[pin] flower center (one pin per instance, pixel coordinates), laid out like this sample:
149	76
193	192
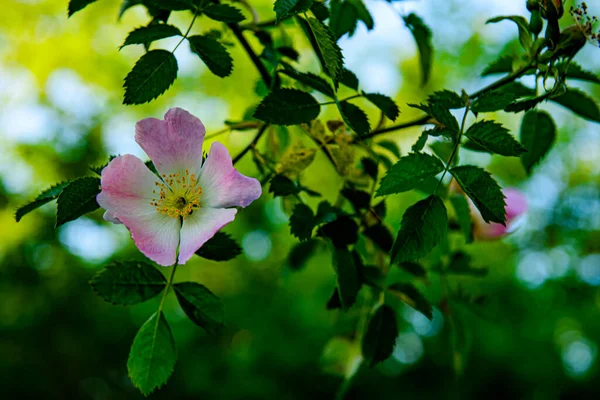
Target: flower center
178	195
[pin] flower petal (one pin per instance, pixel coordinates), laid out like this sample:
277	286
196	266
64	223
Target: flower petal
223	186
200	226
174	144
127	186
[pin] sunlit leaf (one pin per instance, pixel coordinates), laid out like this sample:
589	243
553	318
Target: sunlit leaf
151	76
409	172
422	35
212	53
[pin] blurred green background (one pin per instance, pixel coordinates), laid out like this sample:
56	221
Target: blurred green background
535	334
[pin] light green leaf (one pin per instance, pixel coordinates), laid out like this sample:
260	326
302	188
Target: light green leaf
379	339
151	76
422	35
224	13
150	33
423	226
580	103
409	172
354	117
287	8
479	185
387	106
127	283
538	133
201	306
525	37
152	356
212	53
494	138
46	196
287	107
76	199
331	54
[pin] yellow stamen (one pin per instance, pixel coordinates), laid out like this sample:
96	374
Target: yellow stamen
179	195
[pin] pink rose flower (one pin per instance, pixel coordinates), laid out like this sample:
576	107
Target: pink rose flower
191	200
516	205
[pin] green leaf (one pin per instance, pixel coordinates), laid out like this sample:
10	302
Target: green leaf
538	133
460	264
379	339
421	141
479	185
349	79
212	53
320	10
78	5
359	199
441	114
201	306
387	106
502	65
220	247
348	283
76	199
343	19
152	356
287	107
423	226
311	80
495	138
422	35
224	13
150	33
381	236
287	8
301	253
526	104
574	71
525	37
46	196
580	103
331	54
342	232
363	13
327	213
390	146
151	76
500	98
446	99
463	215
127	283
409	172
302	222
283	186
409	295
413	269
355	118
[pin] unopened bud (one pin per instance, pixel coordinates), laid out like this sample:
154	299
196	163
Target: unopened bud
536	23
533	5
552	9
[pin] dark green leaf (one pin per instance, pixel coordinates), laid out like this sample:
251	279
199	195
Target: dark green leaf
421	141
502	65
287	107
463	215
312	80
387	106
446	99
580	103
342	232
213	54
409	172
348	283
441	114
343	19
127	283
538	133
370	167
283	186
171	5
526	104
287	8
525	37
46	196
224	13
151	76
334	302
301	253
409	295
150	33
360	199
78	5
390	146
320	10
423	226
479	185
355	118
442	149
153	355
76	199
201	306
413	269
288	52
349	79
330	51
127	4
575	71
422	35
500	98
363	13
327	213
302	222
379	339
460	264
495	138
381	236
220	247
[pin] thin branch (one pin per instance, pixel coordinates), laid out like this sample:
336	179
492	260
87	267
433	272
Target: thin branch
261	131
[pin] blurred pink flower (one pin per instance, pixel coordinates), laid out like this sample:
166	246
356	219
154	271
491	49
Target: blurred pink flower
191	200
516	205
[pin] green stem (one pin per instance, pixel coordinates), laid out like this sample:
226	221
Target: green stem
185	35
346	99
242	153
169	284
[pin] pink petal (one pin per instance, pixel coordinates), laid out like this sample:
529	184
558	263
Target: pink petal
200	226
516	205
127	186
174	144
223	186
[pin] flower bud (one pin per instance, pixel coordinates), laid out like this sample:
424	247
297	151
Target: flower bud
536	23
533	5
552	9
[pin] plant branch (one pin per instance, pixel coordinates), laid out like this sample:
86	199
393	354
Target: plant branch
166	290
261	131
